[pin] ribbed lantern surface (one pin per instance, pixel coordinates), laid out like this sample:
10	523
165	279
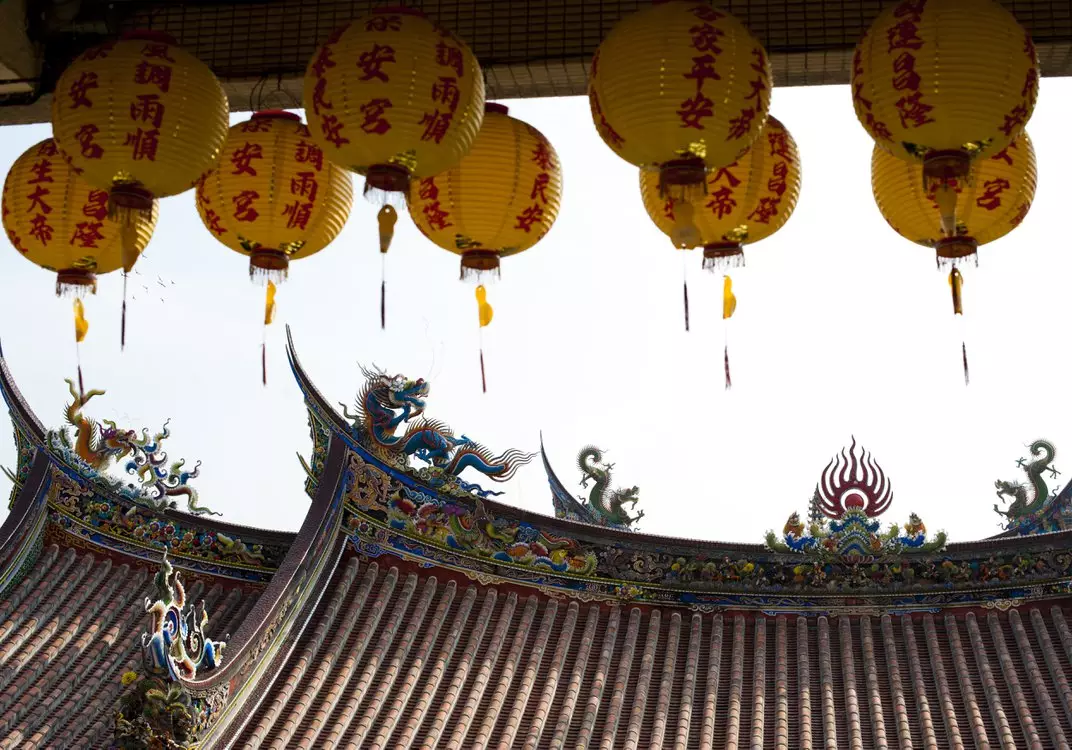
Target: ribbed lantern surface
274	197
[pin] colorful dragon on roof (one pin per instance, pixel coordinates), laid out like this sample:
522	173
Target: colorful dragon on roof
852	492
389	421
1033	508
605	506
104	444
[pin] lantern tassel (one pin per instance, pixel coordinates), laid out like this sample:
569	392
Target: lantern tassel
964	358
386	219
269	316
485	312
686	291
726	365
483	376
729	306
123	317
81	328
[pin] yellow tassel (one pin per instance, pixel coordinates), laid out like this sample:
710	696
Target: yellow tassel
269	304
729	300
484	310
386	218
81	325
684	235
956	283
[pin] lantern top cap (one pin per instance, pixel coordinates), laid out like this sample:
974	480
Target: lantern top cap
148	35
399	9
499	109
276	113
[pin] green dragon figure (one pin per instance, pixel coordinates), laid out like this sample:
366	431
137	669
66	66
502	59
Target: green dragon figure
1027	500
604	504
104	444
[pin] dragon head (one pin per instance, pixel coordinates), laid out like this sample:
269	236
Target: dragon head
397	390
794	527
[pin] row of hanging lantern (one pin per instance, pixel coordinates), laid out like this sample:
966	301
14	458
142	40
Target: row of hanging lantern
679	89
945	89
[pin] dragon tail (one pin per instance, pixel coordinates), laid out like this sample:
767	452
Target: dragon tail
499	468
589	453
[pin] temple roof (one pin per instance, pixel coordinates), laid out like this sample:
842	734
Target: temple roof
410	609
527	48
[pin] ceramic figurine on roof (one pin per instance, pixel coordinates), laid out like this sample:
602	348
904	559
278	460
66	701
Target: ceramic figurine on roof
389	403
605	506
1033	509
99	446
852	493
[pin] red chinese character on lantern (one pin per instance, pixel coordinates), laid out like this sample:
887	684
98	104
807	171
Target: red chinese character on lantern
304	185
741	124
756	92
331	129
1020	214
705	38
724	173
668	209
298	214
213	220
85	137
903	35
446	92
309	153
436	216
243	156
87	234
1014	119
694	109
706	13
541	155
154	75
37	200
776	184
148	108
384	23
779	143
244	210
766	209
722	201
528	217
539	185
905	75
760	65
79	91
610	135
99	53
40	229
42	172
144	144
436	124
703	69
375	123
323	62
450	57
1030	88
96	205
427	190
992	190
372	62
911	109
319	102
156	50
1004	154
256	125
48	148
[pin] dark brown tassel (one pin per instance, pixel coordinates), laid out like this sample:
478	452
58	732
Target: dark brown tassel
686	287
383	305
483	377
123	317
964	357
726	365
264	363
81	387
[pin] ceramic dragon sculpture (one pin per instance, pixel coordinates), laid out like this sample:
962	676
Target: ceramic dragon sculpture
389	419
1028	499
101	445
605	504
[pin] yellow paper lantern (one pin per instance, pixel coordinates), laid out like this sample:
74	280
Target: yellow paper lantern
945	82
140	117
56	220
745	202
499	200
988	206
394	96
680	88
274	197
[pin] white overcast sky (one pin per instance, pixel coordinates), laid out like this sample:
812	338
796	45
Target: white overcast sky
842	328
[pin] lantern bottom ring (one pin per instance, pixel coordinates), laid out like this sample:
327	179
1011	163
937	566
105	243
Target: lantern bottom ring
75	281
390	178
476	262
131	195
266	262
955	248
719	256
946	165
681	174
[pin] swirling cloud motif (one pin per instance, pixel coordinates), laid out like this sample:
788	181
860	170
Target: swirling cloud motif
853	481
